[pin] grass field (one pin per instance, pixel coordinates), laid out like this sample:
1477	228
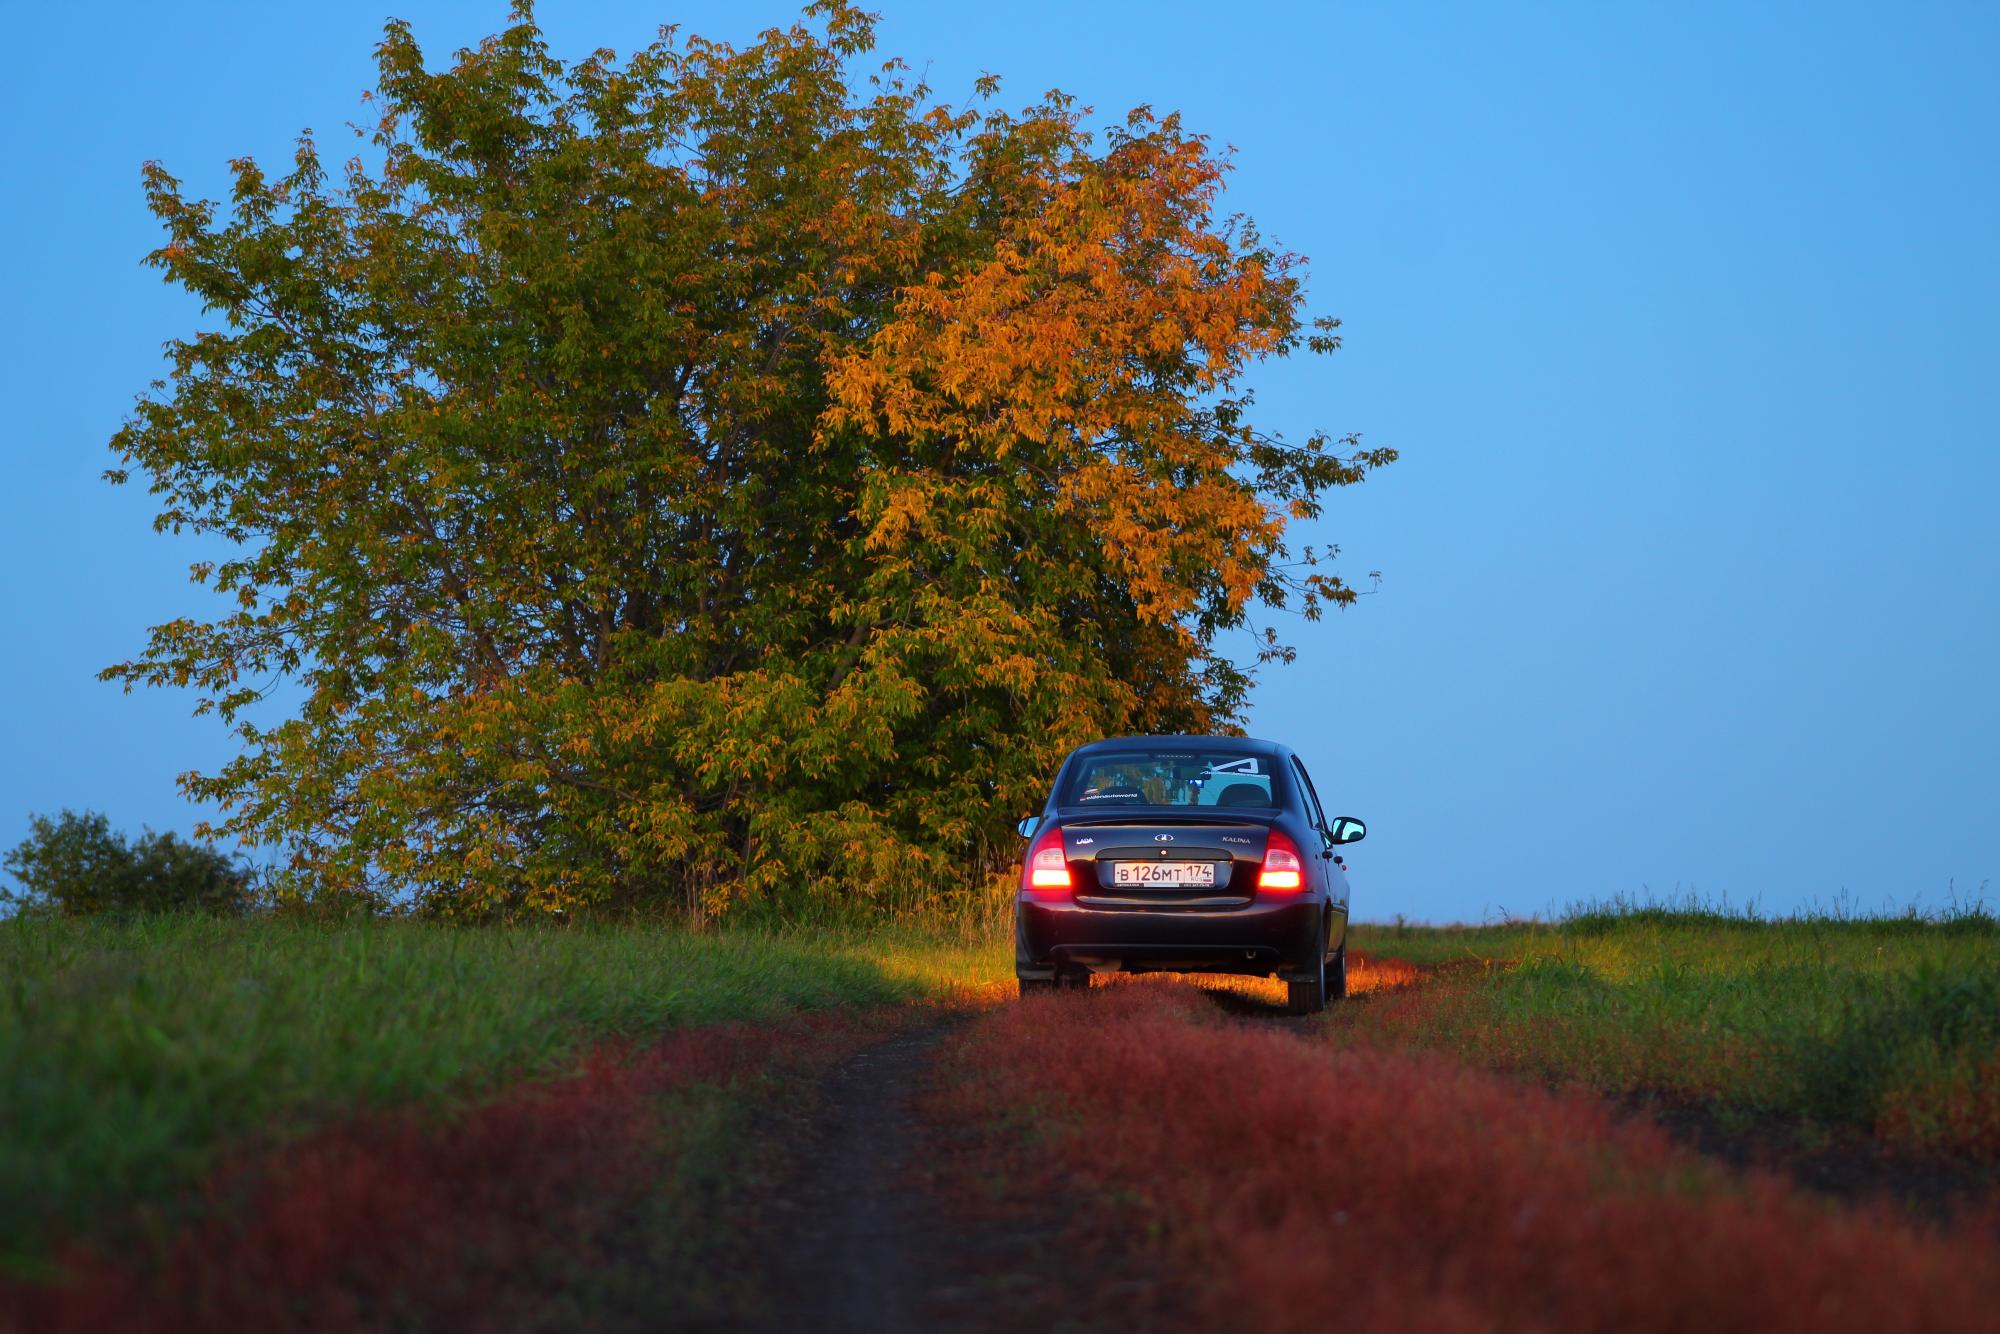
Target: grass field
133	1054
1890	1025
327	1076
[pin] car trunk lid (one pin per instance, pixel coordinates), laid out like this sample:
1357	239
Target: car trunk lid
1160	861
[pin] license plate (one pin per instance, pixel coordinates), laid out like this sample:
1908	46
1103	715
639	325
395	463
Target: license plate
1164	875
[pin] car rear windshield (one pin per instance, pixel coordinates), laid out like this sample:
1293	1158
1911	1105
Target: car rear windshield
1200	777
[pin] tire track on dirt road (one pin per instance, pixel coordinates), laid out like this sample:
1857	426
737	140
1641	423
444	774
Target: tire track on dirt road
930	1190
851	1243
868	1237
892	1221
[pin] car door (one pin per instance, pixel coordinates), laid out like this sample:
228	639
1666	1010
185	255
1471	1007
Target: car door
1333	874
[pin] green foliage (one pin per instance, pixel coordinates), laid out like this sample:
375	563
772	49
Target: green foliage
681	479
75	866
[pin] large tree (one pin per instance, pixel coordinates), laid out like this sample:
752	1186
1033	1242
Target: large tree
714	475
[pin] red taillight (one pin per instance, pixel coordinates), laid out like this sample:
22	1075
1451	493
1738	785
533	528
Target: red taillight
1046	867
1282	868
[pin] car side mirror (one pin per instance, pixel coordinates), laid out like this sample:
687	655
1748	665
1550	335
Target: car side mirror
1027	825
1347	829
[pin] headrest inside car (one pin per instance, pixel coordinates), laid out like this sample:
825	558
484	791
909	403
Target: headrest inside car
1242	794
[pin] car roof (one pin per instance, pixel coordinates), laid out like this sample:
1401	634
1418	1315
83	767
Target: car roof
1244	743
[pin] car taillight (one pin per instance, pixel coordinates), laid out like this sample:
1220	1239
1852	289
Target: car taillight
1046	867
1282	868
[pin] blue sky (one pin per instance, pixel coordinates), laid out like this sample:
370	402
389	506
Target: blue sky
1682	317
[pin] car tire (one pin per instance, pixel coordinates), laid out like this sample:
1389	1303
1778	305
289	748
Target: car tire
1064	980
1336	975
1309	996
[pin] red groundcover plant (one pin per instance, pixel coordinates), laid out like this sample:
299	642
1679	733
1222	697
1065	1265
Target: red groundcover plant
494	1217
690	478
1311	1187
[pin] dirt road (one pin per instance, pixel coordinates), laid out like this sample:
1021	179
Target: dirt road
854	1246
1239	1137
888	1225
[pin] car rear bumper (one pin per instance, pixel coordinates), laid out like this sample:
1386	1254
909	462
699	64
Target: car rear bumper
1261	938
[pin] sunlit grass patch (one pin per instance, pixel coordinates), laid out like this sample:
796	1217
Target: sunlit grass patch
1365	973
962	966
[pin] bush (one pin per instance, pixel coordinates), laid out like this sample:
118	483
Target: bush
76	866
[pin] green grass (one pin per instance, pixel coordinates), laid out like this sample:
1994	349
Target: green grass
132	1053
1890	1024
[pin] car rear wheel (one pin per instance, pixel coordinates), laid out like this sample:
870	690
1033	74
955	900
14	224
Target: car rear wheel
1064	980
1309	996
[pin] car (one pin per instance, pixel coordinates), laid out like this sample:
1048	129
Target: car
1185	854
